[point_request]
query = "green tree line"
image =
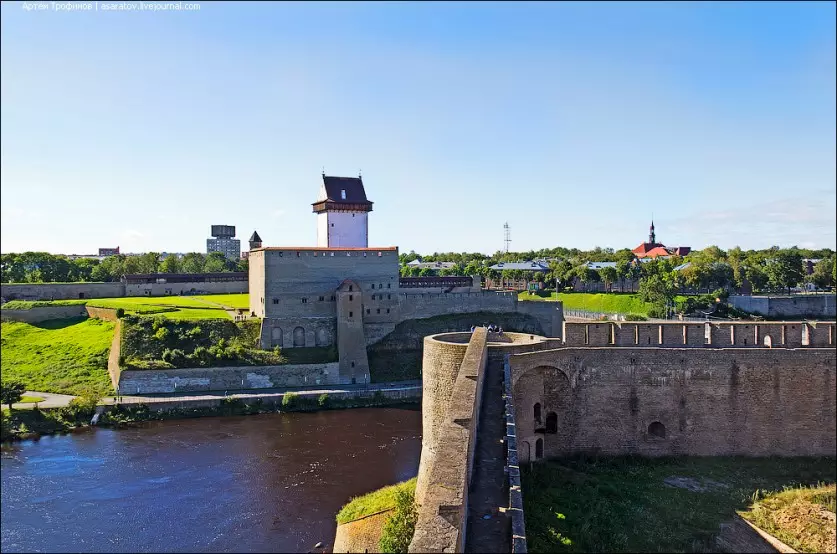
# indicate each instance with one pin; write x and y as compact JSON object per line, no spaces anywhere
{"x":43,"y":267}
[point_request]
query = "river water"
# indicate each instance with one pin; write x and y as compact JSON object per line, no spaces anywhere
{"x":262,"y":483}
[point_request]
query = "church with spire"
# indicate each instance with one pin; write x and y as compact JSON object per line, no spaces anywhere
{"x":653,"y":249}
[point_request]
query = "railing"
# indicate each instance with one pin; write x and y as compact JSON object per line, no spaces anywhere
{"x":610,"y":316}
{"x":515,"y":510}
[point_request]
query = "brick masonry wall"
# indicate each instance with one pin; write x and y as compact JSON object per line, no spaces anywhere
{"x":738,"y":401}
{"x":227,"y":378}
{"x":60,"y":291}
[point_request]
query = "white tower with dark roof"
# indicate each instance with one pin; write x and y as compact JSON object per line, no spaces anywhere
{"x":342,"y":213}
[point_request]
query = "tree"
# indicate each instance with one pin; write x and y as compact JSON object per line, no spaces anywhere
{"x":784,"y":269}
{"x":150,"y":262}
{"x":193,"y":262}
{"x":822,"y":276}
{"x":11,"y":392}
{"x":132,"y":265}
{"x":608,"y":274}
{"x":658,"y":291}
{"x":425,"y":272}
{"x":171,"y":264}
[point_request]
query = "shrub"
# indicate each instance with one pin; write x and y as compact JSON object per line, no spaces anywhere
{"x":400,"y":526}
{"x":167,"y":355}
{"x":322,"y":401}
{"x":290,"y":400}
{"x":201,"y":355}
{"x":162,"y":334}
{"x":120,"y":313}
{"x":194,"y":332}
{"x":635,"y":317}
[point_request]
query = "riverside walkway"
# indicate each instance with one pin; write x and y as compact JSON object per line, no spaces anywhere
{"x":407,"y":388}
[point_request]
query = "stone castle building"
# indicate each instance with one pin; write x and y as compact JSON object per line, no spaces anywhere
{"x":343,"y":293}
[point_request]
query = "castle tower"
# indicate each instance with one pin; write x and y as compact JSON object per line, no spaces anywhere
{"x":342,"y":213}
{"x":651,"y":236}
{"x":255,"y":241}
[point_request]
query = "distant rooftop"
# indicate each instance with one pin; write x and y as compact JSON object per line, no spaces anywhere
{"x":522,"y":266}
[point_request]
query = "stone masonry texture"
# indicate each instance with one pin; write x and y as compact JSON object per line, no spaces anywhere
{"x":710,"y":401}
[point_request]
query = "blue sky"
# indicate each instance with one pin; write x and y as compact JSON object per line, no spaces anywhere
{"x":574,"y":122}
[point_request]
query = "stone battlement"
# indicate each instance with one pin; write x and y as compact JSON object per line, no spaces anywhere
{"x":780,"y":334}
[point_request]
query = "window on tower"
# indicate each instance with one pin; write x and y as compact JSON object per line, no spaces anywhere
{"x":343,"y":194}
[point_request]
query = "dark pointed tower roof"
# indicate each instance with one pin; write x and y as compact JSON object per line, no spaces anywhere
{"x":255,"y":237}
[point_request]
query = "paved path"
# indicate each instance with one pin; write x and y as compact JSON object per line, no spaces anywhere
{"x":489,"y":530}
{"x":50,"y":400}
{"x":60,"y":400}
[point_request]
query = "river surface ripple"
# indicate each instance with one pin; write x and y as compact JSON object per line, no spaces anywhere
{"x":263,"y":483}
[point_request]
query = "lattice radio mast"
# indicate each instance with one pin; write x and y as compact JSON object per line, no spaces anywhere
{"x":507,"y":233}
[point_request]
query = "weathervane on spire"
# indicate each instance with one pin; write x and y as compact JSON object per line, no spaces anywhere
{"x":359,"y":174}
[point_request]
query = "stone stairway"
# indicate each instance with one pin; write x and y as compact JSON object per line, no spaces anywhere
{"x":489,"y":530}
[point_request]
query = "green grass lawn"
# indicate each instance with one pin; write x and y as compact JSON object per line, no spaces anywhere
{"x":625,"y":504}
{"x":62,"y":356}
{"x":801,"y":517}
{"x":209,"y":306}
{"x":31,"y":399}
{"x":235,"y":301}
{"x":373,"y":502}
{"x":611,"y":302}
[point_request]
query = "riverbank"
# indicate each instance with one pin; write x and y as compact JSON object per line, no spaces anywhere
{"x":22,"y":424}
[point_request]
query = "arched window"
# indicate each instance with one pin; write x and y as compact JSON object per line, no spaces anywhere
{"x":768,"y":341}
{"x":276,"y":336}
{"x":539,"y":449}
{"x":299,"y":336}
{"x":657,"y":429}
{"x":538,"y":412}
{"x":321,"y":337}
{"x":552,"y":422}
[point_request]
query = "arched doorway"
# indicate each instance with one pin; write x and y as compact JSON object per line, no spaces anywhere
{"x":321,"y":338}
{"x":539,"y":449}
{"x":276,"y":337}
{"x":299,"y":336}
{"x":552,"y":423}
{"x":768,"y":341}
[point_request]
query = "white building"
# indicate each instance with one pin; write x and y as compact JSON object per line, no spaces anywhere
{"x":342,"y":213}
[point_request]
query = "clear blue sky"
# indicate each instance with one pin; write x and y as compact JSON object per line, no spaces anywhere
{"x":573,"y":122}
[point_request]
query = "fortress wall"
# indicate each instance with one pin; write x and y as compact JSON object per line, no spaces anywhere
{"x":821,"y":333}
{"x":37,"y":315}
{"x":440,"y":366}
{"x":227,"y":378}
{"x":797,"y":305}
{"x":176,"y":289}
{"x":316,"y":331}
{"x":419,"y":306}
{"x":790,"y":334}
{"x":736,"y":401}
{"x":448,"y":446}
{"x":106,"y":314}
{"x":60,"y":291}
{"x":549,"y":314}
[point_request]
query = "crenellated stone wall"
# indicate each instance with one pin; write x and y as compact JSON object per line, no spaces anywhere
{"x":747,"y":334}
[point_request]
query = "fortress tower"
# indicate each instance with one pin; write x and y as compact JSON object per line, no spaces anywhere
{"x":342,"y":213}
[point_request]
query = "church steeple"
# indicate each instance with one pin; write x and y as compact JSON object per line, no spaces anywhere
{"x":652,"y":238}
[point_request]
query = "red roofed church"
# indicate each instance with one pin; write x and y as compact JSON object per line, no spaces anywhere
{"x":654,"y":249}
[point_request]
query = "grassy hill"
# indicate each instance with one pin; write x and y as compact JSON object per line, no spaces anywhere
{"x":210,"y":306}
{"x":62,"y":356}
{"x":612,"y":302}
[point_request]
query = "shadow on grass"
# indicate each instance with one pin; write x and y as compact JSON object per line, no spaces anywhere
{"x":54,"y":324}
{"x":630,"y":504}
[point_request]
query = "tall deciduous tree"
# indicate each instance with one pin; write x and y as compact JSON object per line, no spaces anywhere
{"x":784,"y":269}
